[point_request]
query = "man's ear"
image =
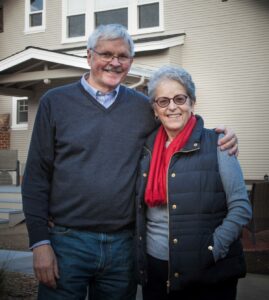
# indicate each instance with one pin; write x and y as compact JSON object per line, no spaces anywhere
{"x":89,"y":56}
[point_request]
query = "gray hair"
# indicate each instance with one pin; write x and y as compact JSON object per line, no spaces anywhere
{"x":171,"y":73}
{"x":110,"y":32}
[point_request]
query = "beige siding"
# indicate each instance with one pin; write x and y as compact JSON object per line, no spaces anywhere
{"x":227,"y":52}
{"x":152,"y":59}
{"x":175,"y":55}
{"x":5,"y":105}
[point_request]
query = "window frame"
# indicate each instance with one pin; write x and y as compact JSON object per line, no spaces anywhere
{"x":133,"y":22}
{"x":34,"y":29}
{"x":1,"y":18}
{"x":15,"y":125}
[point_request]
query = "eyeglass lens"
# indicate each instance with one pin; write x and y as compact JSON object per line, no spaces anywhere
{"x":178,"y":100}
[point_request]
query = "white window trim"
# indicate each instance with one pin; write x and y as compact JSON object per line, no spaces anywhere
{"x":28,"y":29}
{"x":132,"y":20}
{"x":15,"y":126}
{"x":89,"y":23}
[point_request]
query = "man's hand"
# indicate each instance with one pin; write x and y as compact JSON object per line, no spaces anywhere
{"x":45,"y":265}
{"x":229,"y":141}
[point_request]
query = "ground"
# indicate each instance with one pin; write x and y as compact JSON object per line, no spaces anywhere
{"x":17,"y":286}
{"x":24,"y":287}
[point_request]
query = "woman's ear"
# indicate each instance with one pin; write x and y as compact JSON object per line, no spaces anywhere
{"x":155,"y":112}
{"x":192,"y":106}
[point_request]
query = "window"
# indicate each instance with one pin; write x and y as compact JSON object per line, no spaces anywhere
{"x":148,"y":15}
{"x":34,"y":15}
{"x":76,"y":10}
{"x":1,"y":18}
{"x":112,"y":16}
{"x":20,"y":113}
{"x":80,"y":17}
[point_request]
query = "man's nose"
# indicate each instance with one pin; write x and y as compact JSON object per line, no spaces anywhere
{"x":115,"y":60}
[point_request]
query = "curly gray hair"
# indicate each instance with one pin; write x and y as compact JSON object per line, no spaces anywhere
{"x":171,"y":73}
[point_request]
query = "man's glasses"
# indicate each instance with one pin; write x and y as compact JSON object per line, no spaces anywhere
{"x":108,"y":57}
{"x":178,"y":100}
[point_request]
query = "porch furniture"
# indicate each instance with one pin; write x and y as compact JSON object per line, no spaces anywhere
{"x":9,"y":163}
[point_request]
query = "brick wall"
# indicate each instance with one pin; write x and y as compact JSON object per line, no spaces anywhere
{"x":4,"y":131}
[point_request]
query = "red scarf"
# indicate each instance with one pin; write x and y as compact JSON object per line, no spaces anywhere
{"x":156,"y":186}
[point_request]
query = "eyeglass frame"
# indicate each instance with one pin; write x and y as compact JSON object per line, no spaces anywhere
{"x":119,"y":58}
{"x":185,"y":96}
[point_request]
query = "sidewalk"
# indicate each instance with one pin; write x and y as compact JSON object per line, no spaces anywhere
{"x":253,"y":287}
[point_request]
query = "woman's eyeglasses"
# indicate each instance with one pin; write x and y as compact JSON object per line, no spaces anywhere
{"x":177,"y":99}
{"x":108,"y":57}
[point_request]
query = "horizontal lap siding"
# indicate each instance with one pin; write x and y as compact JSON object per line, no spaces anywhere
{"x":227,"y":52}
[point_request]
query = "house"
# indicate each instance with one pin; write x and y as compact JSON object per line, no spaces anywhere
{"x":223,"y":43}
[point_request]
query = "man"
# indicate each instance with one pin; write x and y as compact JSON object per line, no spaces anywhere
{"x":80,"y":176}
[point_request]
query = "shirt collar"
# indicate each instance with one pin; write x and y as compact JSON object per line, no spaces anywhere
{"x":91,"y":90}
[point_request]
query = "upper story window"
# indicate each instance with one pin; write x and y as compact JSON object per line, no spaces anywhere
{"x":119,"y":15}
{"x":148,"y":15}
{"x":34,"y":15}
{"x":76,"y":10}
{"x":20,"y":113}
{"x":1,"y":18}
{"x":80,"y":17}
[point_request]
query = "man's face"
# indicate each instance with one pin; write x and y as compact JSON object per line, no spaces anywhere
{"x":106,"y":75}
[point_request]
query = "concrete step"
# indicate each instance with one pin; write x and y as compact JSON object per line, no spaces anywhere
{"x":10,"y":189}
{"x":4,"y":223}
{"x":10,"y":203}
{"x":12,"y":196}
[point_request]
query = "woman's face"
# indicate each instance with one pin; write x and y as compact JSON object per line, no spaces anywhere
{"x":173,"y":117}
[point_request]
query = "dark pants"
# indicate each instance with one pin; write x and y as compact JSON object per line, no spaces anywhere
{"x":156,"y":286}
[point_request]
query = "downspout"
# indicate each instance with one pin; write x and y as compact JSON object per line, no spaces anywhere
{"x":140,"y":82}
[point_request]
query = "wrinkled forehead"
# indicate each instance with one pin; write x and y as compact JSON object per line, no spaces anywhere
{"x":113,"y":43}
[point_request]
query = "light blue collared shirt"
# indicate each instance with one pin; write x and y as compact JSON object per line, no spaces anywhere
{"x":104,"y":99}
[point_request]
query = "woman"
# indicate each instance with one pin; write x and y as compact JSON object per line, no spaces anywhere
{"x":191,"y":202}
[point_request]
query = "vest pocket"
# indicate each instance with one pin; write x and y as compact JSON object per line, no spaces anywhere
{"x":206,"y":252}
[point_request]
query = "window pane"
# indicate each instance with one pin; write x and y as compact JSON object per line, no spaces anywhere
{"x":76,"y":25}
{"x":22,"y":111}
{"x":112,"y":16}
{"x":148,"y":15}
{"x":36,"y":5}
{"x":36,"y":20}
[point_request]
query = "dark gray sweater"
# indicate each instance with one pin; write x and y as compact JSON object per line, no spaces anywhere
{"x":82,"y":161}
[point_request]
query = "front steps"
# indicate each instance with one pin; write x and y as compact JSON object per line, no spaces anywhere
{"x":10,"y":206}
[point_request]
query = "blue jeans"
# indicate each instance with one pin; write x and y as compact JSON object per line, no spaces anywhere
{"x":102,"y":263}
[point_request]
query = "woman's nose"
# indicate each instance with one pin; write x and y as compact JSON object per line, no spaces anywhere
{"x":172,"y":105}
